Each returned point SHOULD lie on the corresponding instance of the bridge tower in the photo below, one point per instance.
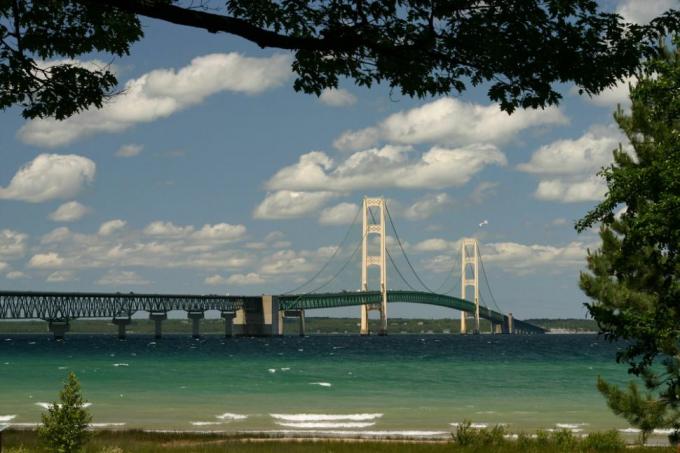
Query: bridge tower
(374, 226)
(469, 264)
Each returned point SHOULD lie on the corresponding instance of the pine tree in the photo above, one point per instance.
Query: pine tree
(633, 279)
(64, 426)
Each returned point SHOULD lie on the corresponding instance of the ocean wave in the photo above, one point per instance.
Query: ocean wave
(325, 417)
(363, 434)
(327, 425)
(106, 425)
(48, 405)
(322, 384)
(230, 416)
(629, 430)
(7, 418)
(206, 423)
(478, 425)
(570, 425)
(121, 364)
(665, 432)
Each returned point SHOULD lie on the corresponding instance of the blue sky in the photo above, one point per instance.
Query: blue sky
(209, 174)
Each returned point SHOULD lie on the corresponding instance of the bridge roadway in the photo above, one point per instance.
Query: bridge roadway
(54, 306)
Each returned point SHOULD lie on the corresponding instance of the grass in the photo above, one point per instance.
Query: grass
(466, 440)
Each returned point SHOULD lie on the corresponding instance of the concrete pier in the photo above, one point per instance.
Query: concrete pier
(300, 314)
(195, 317)
(509, 328)
(228, 317)
(258, 318)
(59, 327)
(122, 324)
(158, 317)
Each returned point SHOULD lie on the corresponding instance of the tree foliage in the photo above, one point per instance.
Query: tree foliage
(64, 425)
(520, 49)
(634, 277)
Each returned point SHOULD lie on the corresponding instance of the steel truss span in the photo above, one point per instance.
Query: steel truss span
(53, 306)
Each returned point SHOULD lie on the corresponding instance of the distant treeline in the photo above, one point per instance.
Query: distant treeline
(314, 325)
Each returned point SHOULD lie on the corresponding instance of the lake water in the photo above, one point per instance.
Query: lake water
(415, 384)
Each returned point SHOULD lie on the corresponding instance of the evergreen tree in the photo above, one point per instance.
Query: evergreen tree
(64, 426)
(634, 277)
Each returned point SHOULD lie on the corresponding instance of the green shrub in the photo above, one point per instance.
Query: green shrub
(608, 441)
(64, 425)
(465, 434)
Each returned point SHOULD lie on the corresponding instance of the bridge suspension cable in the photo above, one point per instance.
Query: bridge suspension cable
(335, 252)
(488, 286)
(396, 235)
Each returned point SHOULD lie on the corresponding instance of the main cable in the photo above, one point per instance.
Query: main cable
(335, 252)
(486, 279)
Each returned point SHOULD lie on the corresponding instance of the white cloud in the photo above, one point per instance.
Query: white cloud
(3, 266)
(220, 232)
(12, 244)
(483, 191)
(56, 235)
(611, 97)
(524, 259)
(130, 150)
(286, 204)
(61, 276)
(452, 122)
(69, 212)
(111, 226)
(337, 97)
(571, 191)
(340, 214)
(643, 11)
(427, 206)
(389, 166)
(167, 229)
(568, 167)
(286, 262)
(48, 260)
(163, 92)
(437, 245)
(50, 176)
(16, 275)
(114, 278)
(215, 280)
(251, 278)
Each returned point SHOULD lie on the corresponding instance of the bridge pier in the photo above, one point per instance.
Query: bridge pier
(59, 327)
(258, 317)
(158, 317)
(122, 323)
(509, 328)
(195, 317)
(463, 323)
(228, 317)
(300, 314)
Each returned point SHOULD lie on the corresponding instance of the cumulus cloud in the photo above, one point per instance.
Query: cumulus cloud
(613, 96)
(69, 212)
(110, 227)
(642, 12)
(48, 260)
(3, 266)
(286, 262)
(50, 176)
(523, 259)
(251, 278)
(162, 92)
(215, 280)
(483, 191)
(427, 206)
(16, 275)
(286, 204)
(387, 167)
(567, 167)
(437, 245)
(337, 97)
(449, 121)
(61, 276)
(118, 278)
(130, 150)
(340, 214)
(12, 244)
(56, 235)
(220, 232)
(167, 229)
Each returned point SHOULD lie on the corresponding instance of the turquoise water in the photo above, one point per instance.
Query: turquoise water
(322, 383)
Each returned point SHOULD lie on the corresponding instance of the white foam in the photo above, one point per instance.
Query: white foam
(664, 431)
(230, 416)
(272, 370)
(325, 417)
(476, 425)
(207, 423)
(629, 430)
(326, 425)
(48, 405)
(570, 425)
(120, 364)
(25, 425)
(285, 369)
(322, 384)
(7, 418)
(362, 434)
(106, 425)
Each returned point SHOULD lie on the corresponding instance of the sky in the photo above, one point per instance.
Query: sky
(209, 174)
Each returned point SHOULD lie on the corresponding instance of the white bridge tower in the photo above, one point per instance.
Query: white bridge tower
(374, 226)
(469, 264)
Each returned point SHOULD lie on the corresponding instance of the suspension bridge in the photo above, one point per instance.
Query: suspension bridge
(264, 315)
